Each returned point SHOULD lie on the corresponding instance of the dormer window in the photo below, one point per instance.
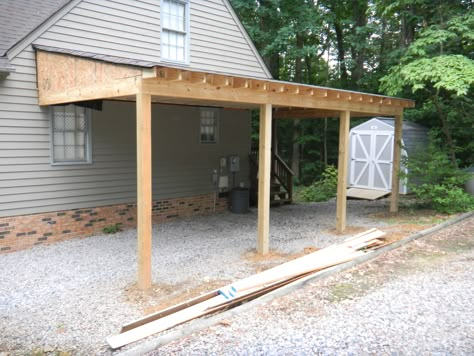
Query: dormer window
(174, 34)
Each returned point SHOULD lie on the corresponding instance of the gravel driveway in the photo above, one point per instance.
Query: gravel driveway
(411, 301)
(70, 296)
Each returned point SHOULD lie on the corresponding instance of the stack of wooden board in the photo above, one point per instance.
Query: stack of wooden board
(248, 288)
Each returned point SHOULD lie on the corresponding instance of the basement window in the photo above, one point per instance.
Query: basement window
(174, 30)
(70, 135)
(209, 125)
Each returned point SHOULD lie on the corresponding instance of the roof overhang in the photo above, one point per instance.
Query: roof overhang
(5, 67)
(63, 79)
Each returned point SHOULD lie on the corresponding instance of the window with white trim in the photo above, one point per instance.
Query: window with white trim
(70, 135)
(174, 34)
(209, 125)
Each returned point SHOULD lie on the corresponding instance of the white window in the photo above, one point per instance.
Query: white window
(209, 129)
(70, 135)
(174, 34)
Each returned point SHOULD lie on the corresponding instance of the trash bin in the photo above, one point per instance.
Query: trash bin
(239, 200)
(470, 182)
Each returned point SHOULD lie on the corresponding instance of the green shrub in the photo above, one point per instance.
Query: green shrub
(323, 189)
(112, 229)
(435, 181)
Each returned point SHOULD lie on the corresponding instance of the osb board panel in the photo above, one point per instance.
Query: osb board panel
(58, 72)
(367, 194)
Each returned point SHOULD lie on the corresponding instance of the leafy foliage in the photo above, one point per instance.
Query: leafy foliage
(434, 60)
(439, 66)
(453, 73)
(435, 182)
(321, 190)
(112, 228)
(418, 49)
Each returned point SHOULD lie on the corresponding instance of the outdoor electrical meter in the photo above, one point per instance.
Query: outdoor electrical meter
(223, 164)
(234, 164)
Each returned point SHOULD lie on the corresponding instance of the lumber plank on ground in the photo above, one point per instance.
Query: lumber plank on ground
(364, 233)
(164, 323)
(320, 259)
(173, 309)
(247, 288)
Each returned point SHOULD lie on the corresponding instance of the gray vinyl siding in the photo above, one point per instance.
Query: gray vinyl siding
(181, 165)
(131, 29)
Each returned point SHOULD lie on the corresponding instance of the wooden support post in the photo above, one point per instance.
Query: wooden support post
(344, 123)
(144, 192)
(264, 163)
(397, 148)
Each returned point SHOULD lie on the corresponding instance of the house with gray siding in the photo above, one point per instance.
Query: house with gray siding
(70, 170)
(137, 111)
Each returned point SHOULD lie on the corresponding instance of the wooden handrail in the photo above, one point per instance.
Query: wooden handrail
(283, 174)
(280, 171)
(282, 162)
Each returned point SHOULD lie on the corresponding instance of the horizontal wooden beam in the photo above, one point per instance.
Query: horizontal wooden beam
(304, 113)
(113, 89)
(243, 93)
(311, 114)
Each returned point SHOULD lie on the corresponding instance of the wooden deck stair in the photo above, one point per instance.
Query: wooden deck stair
(281, 188)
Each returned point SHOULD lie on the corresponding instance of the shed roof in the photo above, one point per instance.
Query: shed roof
(407, 125)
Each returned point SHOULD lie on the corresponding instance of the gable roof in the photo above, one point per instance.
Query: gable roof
(22, 22)
(388, 123)
(414, 135)
(18, 18)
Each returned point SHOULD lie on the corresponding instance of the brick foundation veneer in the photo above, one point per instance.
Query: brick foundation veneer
(25, 231)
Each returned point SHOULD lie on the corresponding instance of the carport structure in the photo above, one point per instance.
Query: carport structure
(67, 78)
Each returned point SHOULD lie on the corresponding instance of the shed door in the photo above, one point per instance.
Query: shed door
(371, 159)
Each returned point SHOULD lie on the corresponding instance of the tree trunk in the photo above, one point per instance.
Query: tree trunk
(295, 152)
(341, 53)
(383, 41)
(296, 149)
(359, 19)
(446, 130)
(407, 33)
(267, 24)
(325, 142)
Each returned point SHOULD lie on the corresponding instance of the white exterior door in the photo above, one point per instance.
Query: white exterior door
(371, 159)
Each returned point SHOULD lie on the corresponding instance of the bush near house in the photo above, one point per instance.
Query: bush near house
(434, 180)
(112, 228)
(321, 190)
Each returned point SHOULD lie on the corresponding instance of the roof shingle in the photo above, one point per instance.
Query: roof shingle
(20, 17)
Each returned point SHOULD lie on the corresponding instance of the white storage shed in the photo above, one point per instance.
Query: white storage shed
(371, 152)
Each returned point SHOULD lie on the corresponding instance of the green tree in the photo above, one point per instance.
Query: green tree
(423, 50)
(439, 64)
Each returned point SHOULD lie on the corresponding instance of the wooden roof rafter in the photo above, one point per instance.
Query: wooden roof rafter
(253, 91)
